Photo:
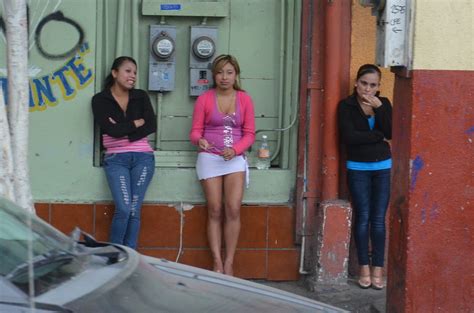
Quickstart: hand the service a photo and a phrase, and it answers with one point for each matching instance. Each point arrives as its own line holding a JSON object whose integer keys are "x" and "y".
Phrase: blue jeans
{"x": 128, "y": 175}
{"x": 370, "y": 193}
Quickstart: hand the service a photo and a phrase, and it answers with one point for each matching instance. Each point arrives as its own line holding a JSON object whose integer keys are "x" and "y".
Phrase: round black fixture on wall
{"x": 163, "y": 46}
{"x": 204, "y": 47}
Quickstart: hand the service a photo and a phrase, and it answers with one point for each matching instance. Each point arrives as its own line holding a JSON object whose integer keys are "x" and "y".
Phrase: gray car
{"x": 95, "y": 277}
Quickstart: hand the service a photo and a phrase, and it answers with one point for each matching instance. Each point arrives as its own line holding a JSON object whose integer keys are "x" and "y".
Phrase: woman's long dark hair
{"x": 367, "y": 69}
{"x": 109, "y": 80}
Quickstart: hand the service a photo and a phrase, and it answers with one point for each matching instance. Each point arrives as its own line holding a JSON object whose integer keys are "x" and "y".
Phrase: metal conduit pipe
{"x": 120, "y": 28}
{"x": 106, "y": 24}
{"x": 281, "y": 75}
{"x": 332, "y": 94}
{"x": 159, "y": 104}
{"x": 159, "y": 101}
{"x": 310, "y": 131}
{"x": 300, "y": 202}
{"x": 280, "y": 86}
{"x": 135, "y": 31}
{"x": 293, "y": 25}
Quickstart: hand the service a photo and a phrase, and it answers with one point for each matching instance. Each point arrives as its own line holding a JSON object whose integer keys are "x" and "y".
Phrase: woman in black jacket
{"x": 126, "y": 117}
{"x": 365, "y": 126}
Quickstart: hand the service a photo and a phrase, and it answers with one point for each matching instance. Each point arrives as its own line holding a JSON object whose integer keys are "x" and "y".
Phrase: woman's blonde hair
{"x": 219, "y": 63}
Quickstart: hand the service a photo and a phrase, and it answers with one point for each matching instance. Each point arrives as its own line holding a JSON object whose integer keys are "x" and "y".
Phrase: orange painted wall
{"x": 362, "y": 52}
{"x": 363, "y": 46}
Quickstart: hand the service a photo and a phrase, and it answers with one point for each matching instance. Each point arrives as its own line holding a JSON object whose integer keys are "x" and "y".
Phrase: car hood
{"x": 144, "y": 284}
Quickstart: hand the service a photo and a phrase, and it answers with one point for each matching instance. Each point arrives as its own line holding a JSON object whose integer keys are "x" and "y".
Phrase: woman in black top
{"x": 126, "y": 118}
{"x": 365, "y": 126}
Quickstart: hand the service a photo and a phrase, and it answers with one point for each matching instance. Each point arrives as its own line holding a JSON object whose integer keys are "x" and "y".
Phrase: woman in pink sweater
{"x": 223, "y": 128}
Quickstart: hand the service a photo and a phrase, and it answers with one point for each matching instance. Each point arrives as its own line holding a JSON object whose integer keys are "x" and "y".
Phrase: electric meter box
{"x": 202, "y": 53}
{"x": 162, "y": 63}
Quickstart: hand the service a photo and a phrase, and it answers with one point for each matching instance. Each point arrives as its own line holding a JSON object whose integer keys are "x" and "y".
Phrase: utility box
{"x": 392, "y": 34}
{"x": 162, "y": 63}
{"x": 202, "y": 53}
{"x": 393, "y": 47}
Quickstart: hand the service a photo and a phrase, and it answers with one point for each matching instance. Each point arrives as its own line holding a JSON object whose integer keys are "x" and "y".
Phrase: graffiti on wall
{"x": 72, "y": 76}
{"x": 63, "y": 82}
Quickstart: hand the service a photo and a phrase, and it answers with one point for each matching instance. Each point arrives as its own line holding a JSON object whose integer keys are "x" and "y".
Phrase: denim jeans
{"x": 370, "y": 193}
{"x": 128, "y": 175}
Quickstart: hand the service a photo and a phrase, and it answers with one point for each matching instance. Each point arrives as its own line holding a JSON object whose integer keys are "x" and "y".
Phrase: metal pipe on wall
{"x": 300, "y": 201}
{"x": 327, "y": 50}
{"x": 310, "y": 129}
{"x": 106, "y": 38}
{"x": 135, "y": 31}
{"x": 281, "y": 75}
{"x": 120, "y": 28}
{"x": 332, "y": 94}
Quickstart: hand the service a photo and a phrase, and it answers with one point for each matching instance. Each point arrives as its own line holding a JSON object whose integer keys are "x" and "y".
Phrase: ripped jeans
{"x": 128, "y": 175}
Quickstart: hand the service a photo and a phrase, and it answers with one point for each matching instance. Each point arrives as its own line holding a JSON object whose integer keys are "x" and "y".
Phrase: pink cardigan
{"x": 202, "y": 115}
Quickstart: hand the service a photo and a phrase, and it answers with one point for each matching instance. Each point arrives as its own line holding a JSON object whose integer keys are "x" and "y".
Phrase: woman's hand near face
{"x": 228, "y": 153}
{"x": 372, "y": 101}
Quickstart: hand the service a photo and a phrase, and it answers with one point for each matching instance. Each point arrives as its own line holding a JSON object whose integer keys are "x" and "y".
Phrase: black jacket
{"x": 363, "y": 144}
{"x": 139, "y": 106}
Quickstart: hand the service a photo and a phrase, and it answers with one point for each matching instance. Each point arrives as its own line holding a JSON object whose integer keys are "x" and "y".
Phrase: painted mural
{"x": 64, "y": 81}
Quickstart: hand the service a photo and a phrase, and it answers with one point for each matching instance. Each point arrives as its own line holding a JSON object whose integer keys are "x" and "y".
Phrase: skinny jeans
{"x": 370, "y": 194}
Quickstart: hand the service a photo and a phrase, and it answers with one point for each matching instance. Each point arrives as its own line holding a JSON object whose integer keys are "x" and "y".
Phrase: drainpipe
{"x": 325, "y": 49}
{"x": 308, "y": 183}
{"x": 120, "y": 28}
{"x": 332, "y": 95}
{"x": 135, "y": 29}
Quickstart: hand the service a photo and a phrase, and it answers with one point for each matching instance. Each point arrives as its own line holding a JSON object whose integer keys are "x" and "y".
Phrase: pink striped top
{"x": 121, "y": 145}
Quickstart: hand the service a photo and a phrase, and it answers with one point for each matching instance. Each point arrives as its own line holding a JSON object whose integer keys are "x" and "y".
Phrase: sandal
{"x": 364, "y": 281}
{"x": 377, "y": 280}
{"x": 364, "y": 277}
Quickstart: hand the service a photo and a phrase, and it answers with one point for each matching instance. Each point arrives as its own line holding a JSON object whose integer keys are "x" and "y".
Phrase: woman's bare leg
{"x": 233, "y": 193}
{"x": 213, "y": 191}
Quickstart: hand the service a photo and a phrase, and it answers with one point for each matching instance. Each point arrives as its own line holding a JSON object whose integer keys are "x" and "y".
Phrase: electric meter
{"x": 204, "y": 47}
{"x": 162, "y": 58}
{"x": 163, "y": 46}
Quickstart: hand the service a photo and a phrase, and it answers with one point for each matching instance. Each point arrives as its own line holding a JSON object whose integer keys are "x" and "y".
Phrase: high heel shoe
{"x": 364, "y": 278}
{"x": 377, "y": 282}
{"x": 377, "y": 279}
{"x": 364, "y": 282}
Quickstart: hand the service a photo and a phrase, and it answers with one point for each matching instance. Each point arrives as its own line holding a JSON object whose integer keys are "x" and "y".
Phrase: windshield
{"x": 53, "y": 253}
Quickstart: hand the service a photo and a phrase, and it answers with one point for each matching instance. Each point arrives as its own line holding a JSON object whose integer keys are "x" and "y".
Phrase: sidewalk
{"x": 348, "y": 296}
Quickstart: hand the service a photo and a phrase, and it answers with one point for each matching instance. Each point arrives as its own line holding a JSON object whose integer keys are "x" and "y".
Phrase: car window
{"x": 54, "y": 256}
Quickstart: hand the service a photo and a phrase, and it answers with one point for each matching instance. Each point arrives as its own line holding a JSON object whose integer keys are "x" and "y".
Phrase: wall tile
{"x": 250, "y": 264}
{"x": 281, "y": 227}
{"x": 159, "y": 235}
{"x": 283, "y": 264}
{"x": 159, "y": 226}
{"x": 195, "y": 227}
{"x": 104, "y": 213}
{"x": 42, "y": 211}
{"x": 197, "y": 257}
{"x": 253, "y": 231}
{"x": 67, "y": 216}
{"x": 168, "y": 254}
